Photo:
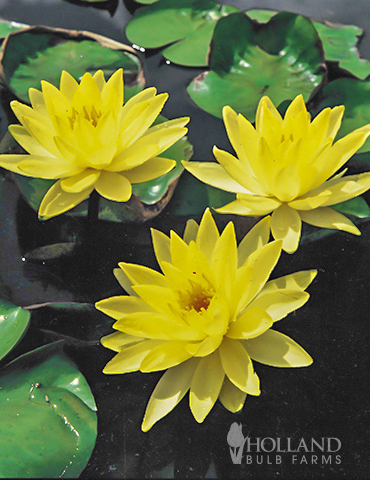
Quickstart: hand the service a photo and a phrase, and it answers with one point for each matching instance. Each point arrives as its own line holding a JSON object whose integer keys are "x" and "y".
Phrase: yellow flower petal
{"x": 294, "y": 281}
{"x": 207, "y": 235}
{"x": 99, "y": 79}
{"x": 179, "y": 251}
{"x": 118, "y": 307}
{"x": 37, "y": 101}
{"x": 11, "y": 162}
{"x": 345, "y": 188}
{"x": 231, "y": 397}
{"x": 215, "y": 175}
{"x": 27, "y": 141}
{"x": 276, "y": 349}
{"x": 48, "y": 167}
{"x": 279, "y": 303}
{"x": 134, "y": 157}
{"x": 260, "y": 263}
{"x": 251, "y": 323}
{"x": 206, "y": 386}
{"x": 311, "y": 200}
{"x": 138, "y": 274}
{"x": 205, "y": 347}
{"x": 57, "y": 201}
{"x": 250, "y": 205}
{"x": 68, "y": 85}
{"x": 191, "y": 231}
{"x": 81, "y": 181}
{"x": 326, "y": 217}
{"x": 162, "y": 246}
{"x": 169, "y": 391}
{"x": 129, "y": 359}
{"x": 151, "y": 169}
{"x": 165, "y": 355}
{"x": 113, "y": 186}
{"x": 224, "y": 259}
{"x": 238, "y": 366}
{"x": 286, "y": 225}
{"x": 124, "y": 281}
{"x": 236, "y": 169}
{"x": 155, "y": 326}
{"x": 117, "y": 341}
{"x": 256, "y": 238}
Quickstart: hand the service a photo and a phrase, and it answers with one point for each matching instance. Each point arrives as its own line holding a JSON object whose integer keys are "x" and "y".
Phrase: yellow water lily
{"x": 286, "y": 166}
{"x": 205, "y": 317}
{"x": 87, "y": 138}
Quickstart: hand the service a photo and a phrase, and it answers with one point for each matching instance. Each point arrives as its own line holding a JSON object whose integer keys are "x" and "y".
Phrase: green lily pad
{"x": 185, "y": 25}
{"x": 48, "y": 424}
{"x": 355, "y": 96}
{"x": 339, "y": 42}
{"x": 10, "y": 27}
{"x": 340, "y": 45}
{"x": 13, "y": 323}
{"x": 41, "y": 53}
{"x": 356, "y": 206}
{"x": 261, "y": 16}
{"x": 281, "y": 59}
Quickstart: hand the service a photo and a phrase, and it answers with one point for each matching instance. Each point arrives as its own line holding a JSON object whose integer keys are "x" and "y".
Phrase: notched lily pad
{"x": 7, "y": 26}
{"x": 281, "y": 59}
{"x": 48, "y": 424}
{"x": 13, "y": 324}
{"x": 355, "y": 96}
{"x": 186, "y": 26}
{"x": 41, "y": 53}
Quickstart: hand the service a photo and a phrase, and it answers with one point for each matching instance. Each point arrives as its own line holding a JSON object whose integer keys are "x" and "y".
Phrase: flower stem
{"x": 93, "y": 208}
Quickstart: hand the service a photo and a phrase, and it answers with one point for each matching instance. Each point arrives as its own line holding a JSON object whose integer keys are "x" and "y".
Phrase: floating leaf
{"x": 13, "y": 323}
{"x": 339, "y": 42}
{"x": 48, "y": 425}
{"x": 41, "y": 53}
{"x": 340, "y": 45}
{"x": 280, "y": 59}
{"x": 356, "y": 206}
{"x": 355, "y": 96}
{"x": 185, "y": 25}
{"x": 9, "y": 27}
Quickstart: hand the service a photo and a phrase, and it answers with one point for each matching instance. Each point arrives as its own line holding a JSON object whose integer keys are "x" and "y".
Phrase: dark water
{"x": 328, "y": 399}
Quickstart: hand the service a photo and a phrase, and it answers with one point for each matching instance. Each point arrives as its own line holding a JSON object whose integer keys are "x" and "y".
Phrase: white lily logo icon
{"x": 236, "y": 441}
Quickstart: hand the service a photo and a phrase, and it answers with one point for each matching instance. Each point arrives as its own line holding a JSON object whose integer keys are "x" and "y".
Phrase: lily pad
{"x": 41, "y": 53}
{"x": 9, "y": 27}
{"x": 48, "y": 424}
{"x": 281, "y": 59}
{"x": 356, "y": 206}
{"x": 13, "y": 323}
{"x": 185, "y": 25}
{"x": 355, "y": 96}
{"x": 340, "y": 45}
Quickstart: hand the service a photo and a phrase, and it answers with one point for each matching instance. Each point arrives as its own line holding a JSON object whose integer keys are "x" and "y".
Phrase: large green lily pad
{"x": 185, "y": 25}
{"x": 340, "y": 43}
{"x": 281, "y": 59}
{"x": 13, "y": 323}
{"x": 355, "y": 96}
{"x": 48, "y": 422}
{"x": 41, "y": 53}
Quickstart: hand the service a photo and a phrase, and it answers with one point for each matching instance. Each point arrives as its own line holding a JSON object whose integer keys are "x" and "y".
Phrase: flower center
{"x": 90, "y": 114}
{"x": 197, "y": 298}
